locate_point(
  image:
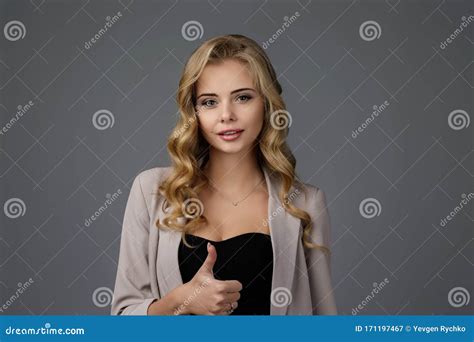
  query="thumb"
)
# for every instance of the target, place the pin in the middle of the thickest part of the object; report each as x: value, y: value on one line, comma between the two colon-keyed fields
x: 208, y: 264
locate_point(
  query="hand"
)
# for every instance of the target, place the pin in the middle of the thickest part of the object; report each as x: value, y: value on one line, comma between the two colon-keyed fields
x: 205, y: 295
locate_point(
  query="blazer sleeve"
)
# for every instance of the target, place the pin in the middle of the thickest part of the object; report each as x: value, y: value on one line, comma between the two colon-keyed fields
x: 132, y: 294
x: 318, y: 263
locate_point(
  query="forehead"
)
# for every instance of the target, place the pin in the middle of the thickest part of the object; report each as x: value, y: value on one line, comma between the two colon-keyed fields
x: 223, y: 77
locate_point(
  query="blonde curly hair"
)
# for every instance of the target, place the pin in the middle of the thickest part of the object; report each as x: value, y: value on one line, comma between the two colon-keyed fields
x: 189, y: 151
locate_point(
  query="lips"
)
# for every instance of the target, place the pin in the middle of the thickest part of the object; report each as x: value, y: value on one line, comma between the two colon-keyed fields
x: 230, y: 131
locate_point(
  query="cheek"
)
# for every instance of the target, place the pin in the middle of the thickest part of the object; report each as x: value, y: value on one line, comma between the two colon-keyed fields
x: 257, y: 117
x: 205, y: 126
x: 202, y: 122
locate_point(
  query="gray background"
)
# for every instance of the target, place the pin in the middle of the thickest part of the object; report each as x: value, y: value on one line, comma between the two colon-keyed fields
x: 409, y: 158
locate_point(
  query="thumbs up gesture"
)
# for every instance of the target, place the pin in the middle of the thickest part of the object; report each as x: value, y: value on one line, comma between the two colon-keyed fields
x: 206, y: 295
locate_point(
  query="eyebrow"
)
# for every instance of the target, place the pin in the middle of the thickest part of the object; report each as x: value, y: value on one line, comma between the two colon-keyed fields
x: 232, y: 92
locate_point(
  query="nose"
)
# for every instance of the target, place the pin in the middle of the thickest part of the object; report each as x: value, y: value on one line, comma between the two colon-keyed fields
x: 227, y: 112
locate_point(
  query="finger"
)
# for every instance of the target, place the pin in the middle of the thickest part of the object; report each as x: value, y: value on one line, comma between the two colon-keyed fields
x: 228, y: 308
x: 231, y: 297
x: 231, y: 285
x: 211, y: 258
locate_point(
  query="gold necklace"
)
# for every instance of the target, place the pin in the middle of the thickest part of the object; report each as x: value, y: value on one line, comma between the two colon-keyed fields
x: 236, y: 203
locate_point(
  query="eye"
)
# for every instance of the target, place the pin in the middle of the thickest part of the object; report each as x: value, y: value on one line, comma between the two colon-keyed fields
x: 243, y: 98
x: 206, y: 103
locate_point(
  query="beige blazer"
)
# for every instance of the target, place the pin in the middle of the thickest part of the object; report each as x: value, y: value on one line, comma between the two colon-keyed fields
x: 148, y: 262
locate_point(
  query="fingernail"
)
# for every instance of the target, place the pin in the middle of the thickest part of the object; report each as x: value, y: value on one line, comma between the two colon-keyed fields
x: 208, y: 245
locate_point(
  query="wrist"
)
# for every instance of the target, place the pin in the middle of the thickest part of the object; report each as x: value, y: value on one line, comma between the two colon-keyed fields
x: 170, y: 304
x: 150, y: 308
x: 178, y: 299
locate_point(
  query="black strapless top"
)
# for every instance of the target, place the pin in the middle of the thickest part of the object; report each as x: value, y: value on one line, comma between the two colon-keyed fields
x: 247, y: 258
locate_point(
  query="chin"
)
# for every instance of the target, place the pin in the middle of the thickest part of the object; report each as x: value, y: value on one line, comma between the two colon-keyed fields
x: 230, y: 149
x: 234, y: 147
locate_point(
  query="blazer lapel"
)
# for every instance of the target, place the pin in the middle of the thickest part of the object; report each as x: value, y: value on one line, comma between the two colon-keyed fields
x: 284, y: 231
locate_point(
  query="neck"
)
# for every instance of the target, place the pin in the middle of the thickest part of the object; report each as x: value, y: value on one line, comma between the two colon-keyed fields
x: 234, y: 172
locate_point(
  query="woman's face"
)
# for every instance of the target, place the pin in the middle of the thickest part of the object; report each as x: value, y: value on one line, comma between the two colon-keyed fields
x: 226, y: 99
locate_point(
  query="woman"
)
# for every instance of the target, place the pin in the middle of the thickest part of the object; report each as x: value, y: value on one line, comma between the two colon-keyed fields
x: 227, y: 229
